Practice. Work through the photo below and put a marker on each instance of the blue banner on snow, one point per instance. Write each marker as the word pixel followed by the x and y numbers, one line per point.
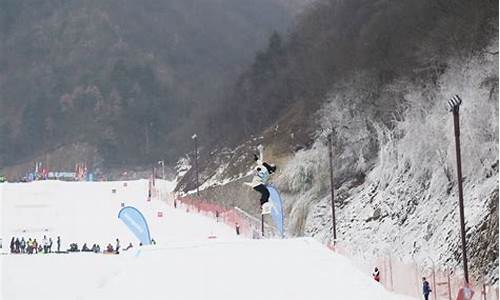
pixel 277 211
pixel 136 222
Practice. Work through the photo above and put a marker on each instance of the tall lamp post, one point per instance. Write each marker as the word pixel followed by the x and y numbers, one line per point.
pixel 454 105
pixel 330 154
pixel 162 164
pixel 195 138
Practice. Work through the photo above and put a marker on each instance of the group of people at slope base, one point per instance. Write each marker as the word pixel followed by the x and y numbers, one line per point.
pixel 96 248
pixel 426 288
pixel 32 246
pixel 46 245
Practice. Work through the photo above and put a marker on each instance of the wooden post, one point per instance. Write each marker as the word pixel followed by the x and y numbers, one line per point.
pixel 262 225
pixel 454 104
pixel 449 285
pixel 330 152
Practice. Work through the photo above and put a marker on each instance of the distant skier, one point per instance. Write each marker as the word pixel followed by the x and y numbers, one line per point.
pixel 376 275
pixel 58 244
pixel 426 289
pixel 50 245
pixel 262 171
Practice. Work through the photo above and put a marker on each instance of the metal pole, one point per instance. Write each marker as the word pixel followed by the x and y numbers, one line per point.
pixel 195 138
pixel 147 139
pixel 434 286
pixel 330 151
pixel 262 225
pixel 449 284
pixel 456 121
pixel 390 272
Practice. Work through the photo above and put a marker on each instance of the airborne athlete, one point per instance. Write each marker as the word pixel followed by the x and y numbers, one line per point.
pixel 262 171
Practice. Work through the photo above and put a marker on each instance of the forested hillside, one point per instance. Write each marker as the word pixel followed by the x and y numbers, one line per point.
pixel 335 40
pixel 130 78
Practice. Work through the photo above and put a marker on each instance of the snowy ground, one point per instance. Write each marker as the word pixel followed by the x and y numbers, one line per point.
pixel 185 264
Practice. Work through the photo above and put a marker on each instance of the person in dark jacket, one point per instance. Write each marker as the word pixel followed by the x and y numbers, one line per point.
pixel 18 245
pixel 12 245
pixel 426 289
pixel 58 244
pixel 85 248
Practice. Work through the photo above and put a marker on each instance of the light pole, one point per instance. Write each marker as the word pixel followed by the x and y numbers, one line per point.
pixel 195 138
pixel 330 154
pixel 454 105
pixel 434 286
pixel 162 164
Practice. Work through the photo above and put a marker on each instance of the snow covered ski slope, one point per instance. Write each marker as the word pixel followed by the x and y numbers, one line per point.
pixel 185 264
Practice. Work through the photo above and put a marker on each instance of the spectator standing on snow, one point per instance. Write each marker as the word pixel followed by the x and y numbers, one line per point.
pixel 58 244
pixel 23 245
pixel 17 245
pixel 29 244
pixel 12 245
pixel 117 248
pixel 376 275
pixel 45 243
pixel 50 245
pixel 426 289
pixel 35 246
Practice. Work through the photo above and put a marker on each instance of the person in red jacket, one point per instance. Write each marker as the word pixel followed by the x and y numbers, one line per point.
pixel 376 275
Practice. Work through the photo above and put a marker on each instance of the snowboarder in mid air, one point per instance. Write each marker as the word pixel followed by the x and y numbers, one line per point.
pixel 262 172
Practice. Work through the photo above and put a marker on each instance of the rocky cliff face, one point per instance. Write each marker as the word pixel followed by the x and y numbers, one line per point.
pixel 402 194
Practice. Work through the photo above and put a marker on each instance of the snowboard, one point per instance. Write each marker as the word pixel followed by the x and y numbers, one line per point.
pixel 277 213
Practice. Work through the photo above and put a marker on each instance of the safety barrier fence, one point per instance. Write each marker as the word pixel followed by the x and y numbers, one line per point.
pixel 402 278
pixel 242 222
pixel 406 278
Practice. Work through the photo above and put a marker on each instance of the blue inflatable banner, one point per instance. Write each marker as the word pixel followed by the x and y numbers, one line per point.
pixel 277 211
pixel 136 222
